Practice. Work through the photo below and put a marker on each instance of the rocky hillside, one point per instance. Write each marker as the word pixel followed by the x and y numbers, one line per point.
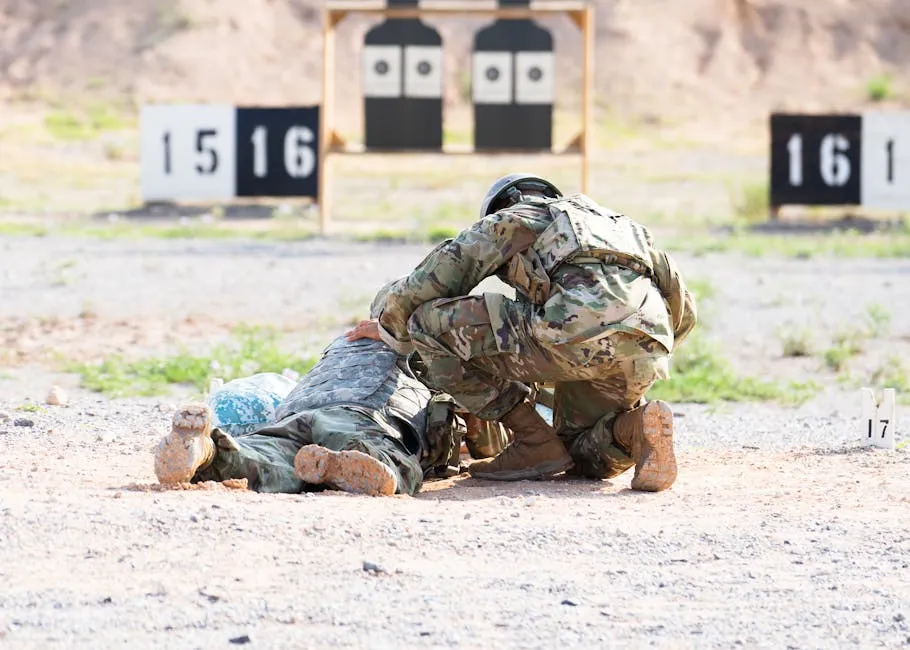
pixel 662 59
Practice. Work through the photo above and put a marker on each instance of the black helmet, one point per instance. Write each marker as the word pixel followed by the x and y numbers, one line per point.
pixel 506 191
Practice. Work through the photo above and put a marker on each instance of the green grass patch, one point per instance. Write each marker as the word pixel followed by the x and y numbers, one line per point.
pixel 847 344
pixel 84 124
pixel 796 342
pixel 14 229
pixel 846 244
pixel 850 342
pixel 880 88
pixel 283 231
pixel 432 235
pixel 878 320
pixel 458 137
pixel 750 203
pixel 439 234
pixel 702 289
pixel 251 350
pixel 30 407
pixel 893 373
pixel 698 373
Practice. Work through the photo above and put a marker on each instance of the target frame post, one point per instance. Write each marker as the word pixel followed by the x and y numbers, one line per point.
pixel 581 12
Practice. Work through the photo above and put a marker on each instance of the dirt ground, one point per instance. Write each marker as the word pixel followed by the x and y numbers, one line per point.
pixel 782 531
pixel 748 549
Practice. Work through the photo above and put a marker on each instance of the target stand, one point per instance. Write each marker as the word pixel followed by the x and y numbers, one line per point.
pixel 486 100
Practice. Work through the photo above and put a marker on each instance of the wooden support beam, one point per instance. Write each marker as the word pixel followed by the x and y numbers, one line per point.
pixel 325 124
pixel 587 32
pixel 330 141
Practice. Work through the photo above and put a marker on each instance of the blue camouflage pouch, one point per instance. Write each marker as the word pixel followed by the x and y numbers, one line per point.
pixel 246 404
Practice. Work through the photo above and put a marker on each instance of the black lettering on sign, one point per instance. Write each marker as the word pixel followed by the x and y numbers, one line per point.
pixel 167 152
pixel 207 151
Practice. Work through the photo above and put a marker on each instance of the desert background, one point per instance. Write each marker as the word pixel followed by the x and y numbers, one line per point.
pixel 783 529
pixel 683 91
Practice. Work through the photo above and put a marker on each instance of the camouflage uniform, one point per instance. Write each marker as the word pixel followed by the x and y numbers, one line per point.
pixel 358 397
pixel 598 310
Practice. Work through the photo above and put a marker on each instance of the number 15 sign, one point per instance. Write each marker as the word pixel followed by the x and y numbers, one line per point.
pixel 841 160
pixel 197 152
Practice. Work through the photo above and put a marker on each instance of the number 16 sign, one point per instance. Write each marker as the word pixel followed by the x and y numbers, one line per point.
pixel 841 160
pixel 196 152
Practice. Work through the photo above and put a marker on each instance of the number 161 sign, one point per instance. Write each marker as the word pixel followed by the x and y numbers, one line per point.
pixel 216 152
pixel 841 160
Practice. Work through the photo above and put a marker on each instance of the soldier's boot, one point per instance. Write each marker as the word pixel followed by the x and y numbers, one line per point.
pixel 348 470
pixel 188 447
pixel 535 451
pixel 647 433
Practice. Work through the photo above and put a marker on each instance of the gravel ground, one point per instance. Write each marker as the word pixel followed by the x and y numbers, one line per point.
pixel 780 532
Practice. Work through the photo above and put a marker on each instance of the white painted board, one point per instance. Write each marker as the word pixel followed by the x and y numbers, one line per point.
pixel 188 152
pixel 382 71
pixel 534 78
pixel 885 167
pixel 492 78
pixel 423 71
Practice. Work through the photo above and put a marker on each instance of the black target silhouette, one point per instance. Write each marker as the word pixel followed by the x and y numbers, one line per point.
pixel 411 118
pixel 517 112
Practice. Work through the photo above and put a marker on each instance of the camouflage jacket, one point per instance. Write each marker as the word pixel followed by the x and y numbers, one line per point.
pixel 366 376
pixel 589 270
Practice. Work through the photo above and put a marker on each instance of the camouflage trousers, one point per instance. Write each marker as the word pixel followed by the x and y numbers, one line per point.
pixel 481 350
pixel 265 457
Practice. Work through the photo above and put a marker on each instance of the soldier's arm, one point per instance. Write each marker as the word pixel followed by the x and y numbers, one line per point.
pixel 456 266
pixel 680 301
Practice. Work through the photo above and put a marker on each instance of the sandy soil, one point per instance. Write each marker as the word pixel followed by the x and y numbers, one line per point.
pixel 780 532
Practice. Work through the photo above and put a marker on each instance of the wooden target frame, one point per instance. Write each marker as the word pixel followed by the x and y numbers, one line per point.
pixel 331 142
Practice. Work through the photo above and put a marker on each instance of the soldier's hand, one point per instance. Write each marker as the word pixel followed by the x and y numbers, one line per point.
pixel 365 329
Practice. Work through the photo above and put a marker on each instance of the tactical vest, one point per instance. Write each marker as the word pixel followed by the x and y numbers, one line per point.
pixel 581 231
pixel 362 374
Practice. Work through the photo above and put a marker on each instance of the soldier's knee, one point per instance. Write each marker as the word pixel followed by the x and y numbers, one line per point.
pixel 423 325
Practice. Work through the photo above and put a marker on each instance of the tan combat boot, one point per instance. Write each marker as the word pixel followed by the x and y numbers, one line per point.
pixel 348 470
pixel 647 433
pixel 188 447
pixel 535 452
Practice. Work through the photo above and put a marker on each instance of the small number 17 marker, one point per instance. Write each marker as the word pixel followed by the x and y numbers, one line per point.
pixel 878 419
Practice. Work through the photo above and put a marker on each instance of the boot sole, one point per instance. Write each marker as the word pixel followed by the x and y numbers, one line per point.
pixel 656 470
pixel 348 470
pixel 541 471
pixel 179 456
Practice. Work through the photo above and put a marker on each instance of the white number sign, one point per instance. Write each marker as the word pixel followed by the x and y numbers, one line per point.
pixel 188 152
pixel 878 419
pixel 886 161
